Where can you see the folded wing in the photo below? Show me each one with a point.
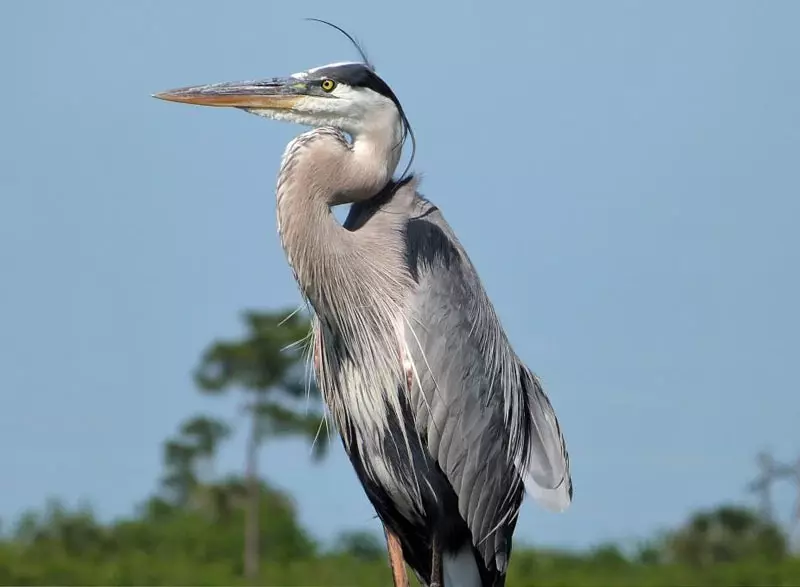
(485, 418)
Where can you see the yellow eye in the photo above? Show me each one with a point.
(328, 85)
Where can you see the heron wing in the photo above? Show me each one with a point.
(485, 418)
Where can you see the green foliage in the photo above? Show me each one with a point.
(264, 359)
(724, 535)
(205, 434)
(267, 364)
(201, 544)
(361, 545)
(202, 530)
(187, 547)
(188, 458)
(162, 545)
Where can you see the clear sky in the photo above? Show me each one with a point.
(625, 176)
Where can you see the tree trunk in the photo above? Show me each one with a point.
(251, 520)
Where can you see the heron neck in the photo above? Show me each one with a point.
(309, 233)
(331, 263)
(375, 153)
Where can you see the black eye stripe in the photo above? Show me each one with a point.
(357, 75)
(361, 75)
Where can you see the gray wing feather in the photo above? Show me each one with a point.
(547, 476)
(484, 415)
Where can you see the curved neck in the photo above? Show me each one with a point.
(319, 170)
(374, 155)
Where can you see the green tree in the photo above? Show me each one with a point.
(266, 365)
(726, 534)
(180, 476)
(205, 434)
(361, 545)
(68, 546)
(189, 458)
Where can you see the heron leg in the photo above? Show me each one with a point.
(437, 571)
(396, 562)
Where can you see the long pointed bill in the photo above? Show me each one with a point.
(276, 93)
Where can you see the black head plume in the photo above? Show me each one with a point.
(356, 44)
(407, 130)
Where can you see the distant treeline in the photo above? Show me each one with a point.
(201, 530)
(201, 543)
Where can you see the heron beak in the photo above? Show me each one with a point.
(276, 94)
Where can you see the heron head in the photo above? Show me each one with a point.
(348, 96)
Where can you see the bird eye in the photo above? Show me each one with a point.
(328, 85)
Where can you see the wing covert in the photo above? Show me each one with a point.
(485, 419)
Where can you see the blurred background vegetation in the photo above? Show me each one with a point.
(202, 529)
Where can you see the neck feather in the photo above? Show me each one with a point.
(335, 268)
(357, 282)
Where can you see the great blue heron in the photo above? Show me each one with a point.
(444, 424)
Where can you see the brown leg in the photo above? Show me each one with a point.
(399, 575)
(437, 572)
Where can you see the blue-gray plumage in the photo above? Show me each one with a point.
(444, 425)
(476, 408)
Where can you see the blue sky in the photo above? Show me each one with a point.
(625, 176)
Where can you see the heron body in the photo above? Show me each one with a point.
(437, 456)
(445, 426)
